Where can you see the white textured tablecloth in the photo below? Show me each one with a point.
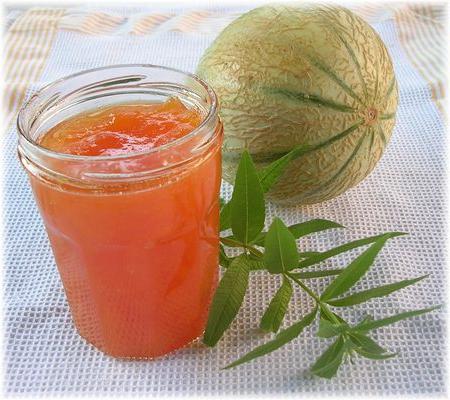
(43, 352)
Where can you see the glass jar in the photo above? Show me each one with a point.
(135, 236)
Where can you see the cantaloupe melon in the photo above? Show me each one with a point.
(313, 75)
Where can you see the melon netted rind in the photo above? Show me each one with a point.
(314, 75)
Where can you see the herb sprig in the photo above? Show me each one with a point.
(275, 251)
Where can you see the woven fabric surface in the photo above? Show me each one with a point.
(406, 192)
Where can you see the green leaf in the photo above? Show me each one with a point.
(327, 329)
(375, 356)
(378, 323)
(222, 202)
(313, 226)
(283, 337)
(225, 217)
(247, 202)
(273, 317)
(227, 300)
(230, 241)
(354, 271)
(367, 347)
(316, 274)
(307, 254)
(304, 228)
(366, 343)
(367, 318)
(344, 248)
(224, 260)
(270, 174)
(255, 265)
(330, 316)
(280, 248)
(379, 291)
(328, 363)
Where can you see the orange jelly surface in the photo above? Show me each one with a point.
(123, 129)
(138, 266)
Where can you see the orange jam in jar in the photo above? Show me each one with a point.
(122, 129)
(124, 163)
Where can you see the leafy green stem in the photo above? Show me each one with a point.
(323, 307)
(304, 287)
(234, 243)
(276, 251)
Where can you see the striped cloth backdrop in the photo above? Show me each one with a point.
(29, 38)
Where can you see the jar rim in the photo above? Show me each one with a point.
(212, 113)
